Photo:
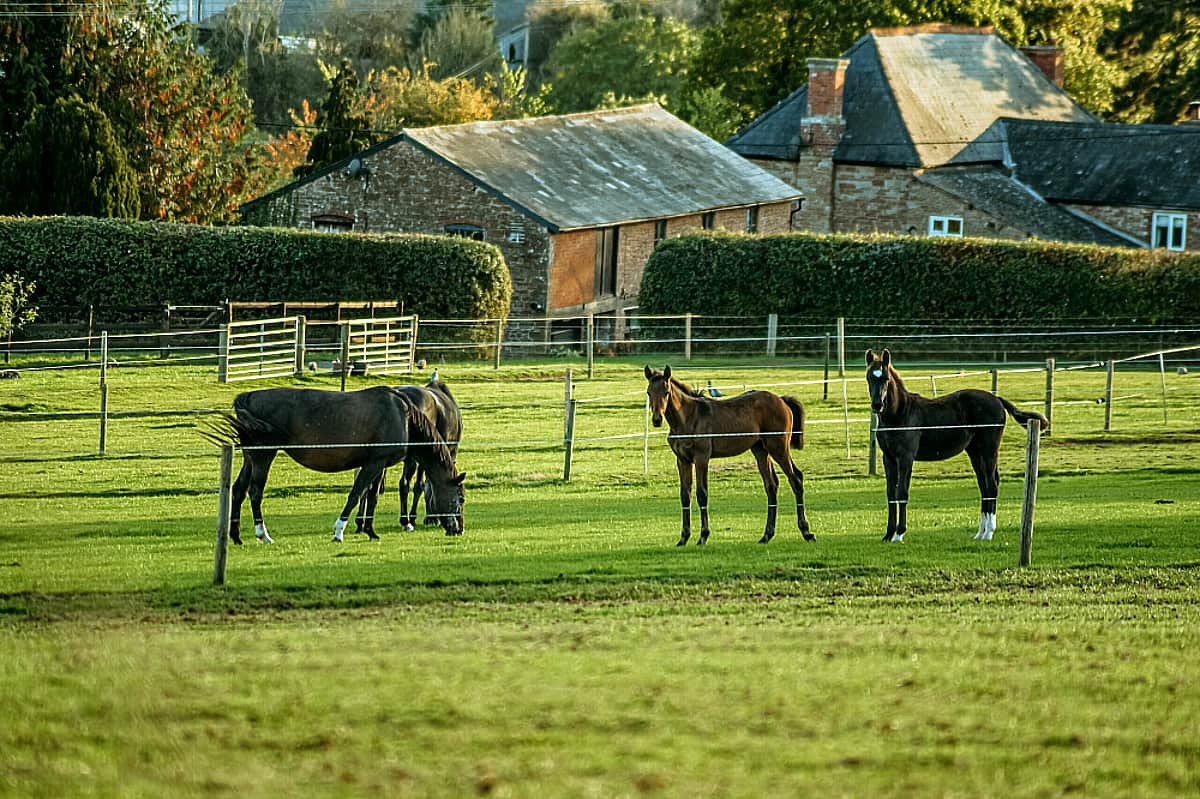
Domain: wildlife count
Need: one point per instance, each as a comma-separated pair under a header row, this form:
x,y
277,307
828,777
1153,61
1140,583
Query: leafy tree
x,y
457,44
399,98
629,55
15,311
275,78
68,161
372,36
184,133
345,130
434,10
1157,43
549,22
286,151
513,98
709,111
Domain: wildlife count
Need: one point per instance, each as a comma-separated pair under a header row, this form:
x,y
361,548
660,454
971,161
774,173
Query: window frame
x,y
752,219
465,230
945,223
708,220
608,249
660,231
1170,218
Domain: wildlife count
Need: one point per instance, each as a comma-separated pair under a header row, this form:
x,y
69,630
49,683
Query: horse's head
x,y
879,371
444,499
659,392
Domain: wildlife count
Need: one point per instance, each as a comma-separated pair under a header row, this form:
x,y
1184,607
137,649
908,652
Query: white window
x,y
945,226
752,219
1169,230
333,222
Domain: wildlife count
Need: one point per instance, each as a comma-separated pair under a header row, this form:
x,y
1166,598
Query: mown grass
x,y
564,646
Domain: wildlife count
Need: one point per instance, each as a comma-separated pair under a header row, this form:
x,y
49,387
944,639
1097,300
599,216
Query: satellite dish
x,y
354,168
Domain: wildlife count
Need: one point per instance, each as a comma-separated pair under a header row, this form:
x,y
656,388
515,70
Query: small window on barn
x,y
466,231
752,219
946,226
516,232
1169,230
708,219
660,231
333,222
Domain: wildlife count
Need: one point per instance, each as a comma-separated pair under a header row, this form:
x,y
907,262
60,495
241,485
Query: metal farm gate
x,y
267,348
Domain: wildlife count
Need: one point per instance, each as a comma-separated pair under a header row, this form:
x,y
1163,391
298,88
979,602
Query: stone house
x,y
575,203
943,130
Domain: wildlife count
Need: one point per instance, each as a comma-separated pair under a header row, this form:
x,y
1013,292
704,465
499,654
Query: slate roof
x,y
920,97
993,191
602,167
1107,163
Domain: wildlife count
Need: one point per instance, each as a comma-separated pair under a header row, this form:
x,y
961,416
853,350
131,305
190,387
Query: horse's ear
x,y
887,358
649,373
870,357
459,479
667,372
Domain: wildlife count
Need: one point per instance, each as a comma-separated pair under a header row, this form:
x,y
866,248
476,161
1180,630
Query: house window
x,y
660,231
333,222
466,231
707,219
1169,230
752,219
946,226
607,245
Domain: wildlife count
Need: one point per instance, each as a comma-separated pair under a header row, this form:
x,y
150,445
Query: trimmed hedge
x,y
897,279
83,260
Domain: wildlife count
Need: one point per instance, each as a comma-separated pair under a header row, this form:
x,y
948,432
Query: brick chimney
x,y
823,123
1048,58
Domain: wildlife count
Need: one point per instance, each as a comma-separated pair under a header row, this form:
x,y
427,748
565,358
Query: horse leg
x,y
366,507
367,477
903,478
238,497
407,520
702,497
795,477
987,474
685,498
260,466
891,471
771,485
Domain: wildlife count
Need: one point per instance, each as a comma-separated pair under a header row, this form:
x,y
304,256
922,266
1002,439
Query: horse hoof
x,y
408,527
702,540
766,539
808,536
683,540
372,536
898,538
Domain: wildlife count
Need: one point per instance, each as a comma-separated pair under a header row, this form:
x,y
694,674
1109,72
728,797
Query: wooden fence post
x,y
825,395
103,391
687,336
1030,496
646,440
568,393
772,334
344,354
591,344
301,344
995,382
223,354
1108,386
1162,373
841,335
223,510
1049,395
569,440
499,342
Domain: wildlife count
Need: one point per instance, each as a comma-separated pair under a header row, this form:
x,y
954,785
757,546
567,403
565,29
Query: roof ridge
x,y
935,27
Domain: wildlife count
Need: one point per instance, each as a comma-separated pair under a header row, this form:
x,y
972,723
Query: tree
x,y
15,312
344,130
434,10
399,98
1157,44
457,44
630,55
68,161
184,133
245,40
372,36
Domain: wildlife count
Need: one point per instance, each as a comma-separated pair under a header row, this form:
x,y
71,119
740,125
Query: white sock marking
x,y
260,532
338,527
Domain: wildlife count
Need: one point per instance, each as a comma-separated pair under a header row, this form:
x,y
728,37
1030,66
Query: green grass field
x,y
564,646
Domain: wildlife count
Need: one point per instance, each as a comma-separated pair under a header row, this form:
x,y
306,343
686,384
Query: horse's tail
x,y
239,427
1024,416
797,422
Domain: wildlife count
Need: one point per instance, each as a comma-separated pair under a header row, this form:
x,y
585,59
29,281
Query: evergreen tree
x,y
67,160
344,131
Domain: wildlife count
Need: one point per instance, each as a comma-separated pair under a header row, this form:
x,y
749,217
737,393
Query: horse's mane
x,y
894,377
684,387
428,434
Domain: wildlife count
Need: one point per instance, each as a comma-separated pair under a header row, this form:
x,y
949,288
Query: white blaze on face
x,y
878,373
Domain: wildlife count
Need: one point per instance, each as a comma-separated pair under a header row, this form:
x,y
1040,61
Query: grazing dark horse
x,y
701,429
331,431
438,405
912,427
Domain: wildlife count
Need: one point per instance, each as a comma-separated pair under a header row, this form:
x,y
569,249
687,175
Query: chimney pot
x,y
1193,111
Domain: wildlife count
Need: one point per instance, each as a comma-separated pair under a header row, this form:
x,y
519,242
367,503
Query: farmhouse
x,y
949,131
576,203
